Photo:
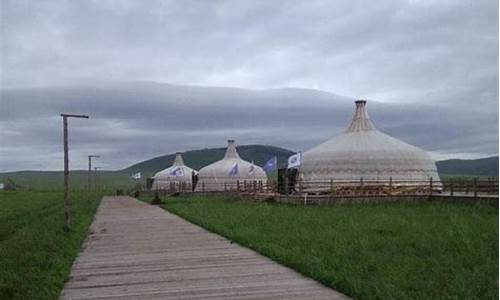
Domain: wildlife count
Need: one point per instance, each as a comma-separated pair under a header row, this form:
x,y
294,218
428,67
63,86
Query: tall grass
x,y
379,251
53,180
36,254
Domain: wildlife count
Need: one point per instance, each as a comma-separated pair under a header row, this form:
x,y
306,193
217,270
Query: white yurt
x,y
362,153
231,173
177,177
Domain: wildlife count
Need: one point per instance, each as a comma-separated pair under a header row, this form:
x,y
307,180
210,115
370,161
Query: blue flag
x,y
177,172
234,170
251,169
271,164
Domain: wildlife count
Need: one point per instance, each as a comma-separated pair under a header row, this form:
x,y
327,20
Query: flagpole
x,y
277,174
277,177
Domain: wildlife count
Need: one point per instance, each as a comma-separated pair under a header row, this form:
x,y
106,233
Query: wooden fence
x,y
248,186
391,187
340,188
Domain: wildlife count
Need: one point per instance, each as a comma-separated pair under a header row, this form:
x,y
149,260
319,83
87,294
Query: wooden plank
x,y
139,251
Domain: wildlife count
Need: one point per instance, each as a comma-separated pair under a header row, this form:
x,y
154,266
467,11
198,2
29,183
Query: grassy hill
x,y
49,180
199,158
469,167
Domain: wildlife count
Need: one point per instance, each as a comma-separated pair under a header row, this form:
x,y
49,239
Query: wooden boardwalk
x,y
139,251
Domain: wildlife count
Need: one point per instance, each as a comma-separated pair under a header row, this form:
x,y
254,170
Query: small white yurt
x,y
230,173
362,153
177,177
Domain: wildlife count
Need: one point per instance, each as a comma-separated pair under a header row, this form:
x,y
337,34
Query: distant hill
x,y
260,154
198,159
469,167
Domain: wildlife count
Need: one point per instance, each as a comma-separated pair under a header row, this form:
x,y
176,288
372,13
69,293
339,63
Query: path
x,y
139,251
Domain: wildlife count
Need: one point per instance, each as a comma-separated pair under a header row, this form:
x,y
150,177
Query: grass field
x,y
382,251
52,180
35,253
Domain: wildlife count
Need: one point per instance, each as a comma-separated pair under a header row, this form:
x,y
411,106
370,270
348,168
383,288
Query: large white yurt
x,y
230,173
177,177
362,153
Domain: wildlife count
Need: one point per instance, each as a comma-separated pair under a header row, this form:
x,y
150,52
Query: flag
x,y
136,176
234,170
177,172
252,169
294,160
271,164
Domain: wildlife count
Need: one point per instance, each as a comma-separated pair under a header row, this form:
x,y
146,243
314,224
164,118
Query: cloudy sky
x,y
429,69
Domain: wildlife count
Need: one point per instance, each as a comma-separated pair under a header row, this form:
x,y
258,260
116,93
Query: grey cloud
x,y
432,66
133,121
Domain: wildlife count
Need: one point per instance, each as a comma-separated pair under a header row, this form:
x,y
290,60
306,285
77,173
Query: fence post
x,y
390,185
225,186
451,187
237,185
286,186
260,186
490,184
361,191
430,186
254,186
203,186
475,187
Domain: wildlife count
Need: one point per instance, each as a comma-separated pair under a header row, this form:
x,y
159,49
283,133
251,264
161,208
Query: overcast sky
x,y
437,57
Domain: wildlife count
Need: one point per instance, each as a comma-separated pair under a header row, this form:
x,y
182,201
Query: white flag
x,y
136,176
294,160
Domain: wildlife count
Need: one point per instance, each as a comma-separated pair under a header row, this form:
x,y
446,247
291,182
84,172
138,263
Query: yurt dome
x,y
364,153
177,177
230,173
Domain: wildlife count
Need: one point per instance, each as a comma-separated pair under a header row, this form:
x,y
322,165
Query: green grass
x,y
36,254
53,180
380,251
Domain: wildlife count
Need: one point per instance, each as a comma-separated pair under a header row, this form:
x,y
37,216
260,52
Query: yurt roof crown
x,y
178,161
231,150
360,121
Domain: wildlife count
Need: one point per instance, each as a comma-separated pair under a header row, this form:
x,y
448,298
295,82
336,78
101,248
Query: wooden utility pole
x,y
89,175
96,179
67,225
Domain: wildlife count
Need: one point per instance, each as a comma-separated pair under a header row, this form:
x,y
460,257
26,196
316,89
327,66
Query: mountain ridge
x,y
487,166
197,159
200,158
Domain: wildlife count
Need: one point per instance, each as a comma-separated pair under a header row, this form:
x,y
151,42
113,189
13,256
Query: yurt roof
x,y
221,168
177,164
363,151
